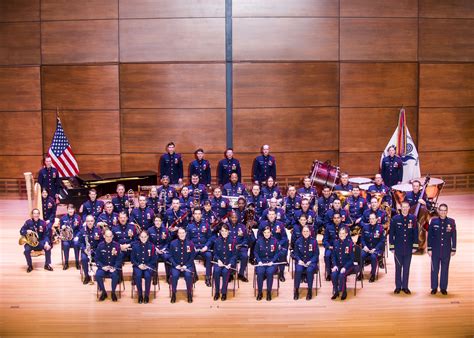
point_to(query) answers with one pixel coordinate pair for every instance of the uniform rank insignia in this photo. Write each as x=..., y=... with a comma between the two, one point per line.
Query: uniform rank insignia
x=40, y=228
x=188, y=248
x=175, y=161
x=272, y=248
x=230, y=246
x=270, y=162
x=377, y=234
x=204, y=166
x=54, y=175
x=346, y=250
x=223, y=204
x=310, y=247
x=448, y=228
x=278, y=229
x=240, y=232
x=163, y=235
x=234, y=167
x=114, y=251
x=361, y=204
x=410, y=225
x=149, y=252
x=310, y=219
x=148, y=216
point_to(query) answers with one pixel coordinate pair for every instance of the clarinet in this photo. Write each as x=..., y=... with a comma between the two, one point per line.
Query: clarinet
x=88, y=252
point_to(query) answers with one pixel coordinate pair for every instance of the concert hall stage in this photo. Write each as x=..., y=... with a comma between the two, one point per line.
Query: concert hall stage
x=56, y=303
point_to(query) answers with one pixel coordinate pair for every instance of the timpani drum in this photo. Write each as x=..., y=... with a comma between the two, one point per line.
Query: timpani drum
x=399, y=192
x=358, y=181
x=364, y=188
x=433, y=190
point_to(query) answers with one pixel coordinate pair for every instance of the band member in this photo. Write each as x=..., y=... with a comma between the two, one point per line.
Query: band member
x=89, y=239
x=374, y=209
x=199, y=232
x=267, y=253
x=241, y=208
x=273, y=205
x=225, y=255
x=441, y=246
x=325, y=202
x=337, y=207
x=356, y=205
x=143, y=215
x=258, y=201
x=298, y=228
x=108, y=258
x=379, y=187
x=210, y=216
x=220, y=205
x=166, y=191
x=264, y=166
x=373, y=244
x=308, y=192
x=240, y=234
x=144, y=261
x=392, y=168
x=404, y=241
x=330, y=236
x=201, y=167
x=227, y=166
x=175, y=218
x=306, y=253
x=92, y=206
x=186, y=202
x=38, y=226
x=234, y=187
x=48, y=206
x=197, y=190
x=291, y=203
x=344, y=185
x=312, y=218
x=120, y=200
x=160, y=237
x=270, y=190
x=343, y=262
x=156, y=202
x=125, y=234
x=48, y=178
x=74, y=222
x=182, y=262
x=414, y=197
x=171, y=165
x=108, y=217
x=279, y=233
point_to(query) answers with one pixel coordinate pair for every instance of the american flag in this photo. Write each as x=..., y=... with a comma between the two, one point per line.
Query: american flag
x=61, y=153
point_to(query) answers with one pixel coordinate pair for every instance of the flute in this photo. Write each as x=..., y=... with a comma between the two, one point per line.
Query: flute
x=271, y=264
x=224, y=266
x=185, y=269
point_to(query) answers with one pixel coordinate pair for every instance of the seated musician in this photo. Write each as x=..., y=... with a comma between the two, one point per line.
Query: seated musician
x=374, y=208
x=182, y=262
x=74, y=222
x=197, y=190
x=356, y=205
x=325, y=202
x=108, y=258
x=175, y=218
x=379, y=187
x=234, y=187
x=291, y=203
x=225, y=258
x=125, y=233
x=220, y=205
x=108, y=218
x=120, y=200
x=201, y=167
x=49, y=207
x=241, y=207
x=306, y=254
x=167, y=191
x=160, y=237
x=344, y=185
x=155, y=201
x=43, y=232
x=186, y=201
x=92, y=206
x=273, y=205
x=342, y=261
x=270, y=190
x=144, y=260
x=373, y=243
x=279, y=233
x=242, y=237
x=267, y=253
x=89, y=238
x=143, y=215
x=199, y=232
x=308, y=192
x=210, y=216
x=337, y=207
x=257, y=199
x=414, y=197
x=330, y=236
x=311, y=216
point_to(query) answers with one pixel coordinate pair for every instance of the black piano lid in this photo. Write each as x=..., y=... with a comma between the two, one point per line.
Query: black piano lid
x=92, y=177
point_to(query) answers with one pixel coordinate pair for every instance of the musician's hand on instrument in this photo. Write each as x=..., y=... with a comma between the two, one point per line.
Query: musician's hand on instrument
x=219, y=263
x=421, y=201
x=204, y=249
x=334, y=269
x=142, y=267
x=372, y=251
x=343, y=270
x=63, y=227
x=260, y=264
x=111, y=269
x=300, y=262
x=270, y=263
x=366, y=249
x=358, y=220
x=29, y=231
x=227, y=266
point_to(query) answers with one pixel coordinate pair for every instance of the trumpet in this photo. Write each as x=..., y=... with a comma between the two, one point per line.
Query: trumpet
x=31, y=238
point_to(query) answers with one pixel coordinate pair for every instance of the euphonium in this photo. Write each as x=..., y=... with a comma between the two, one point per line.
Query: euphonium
x=66, y=233
x=31, y=239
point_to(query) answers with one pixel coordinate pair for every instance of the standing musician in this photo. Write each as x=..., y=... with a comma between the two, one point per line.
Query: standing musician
x=89, y=239
x=373, y=243
x=142, y=216
x=344, y=185
x=330, y=237
x=167, y=192
x=392, y=168
x=72, y=221
x=234, y=187
x=49, y=207
x=120, y=200
x=308, y=192
x=108, y=258
x=125, y=234
x=267, y=253
x=291, y=203
x=144, y=260
x=200, y=167
x=225, y=256
x=197, y=190
x=227, y=166
x=270, y=190
x=240, y=234
x=182, y=262
x=48, y=178
x=160, y=237
x=171, y=165
x=39, y=228
x=264, y=166
x=176, y=218
x=342, y=261
x=92, y=206
x=306, y=253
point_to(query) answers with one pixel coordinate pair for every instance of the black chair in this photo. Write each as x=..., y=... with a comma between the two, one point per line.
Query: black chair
x=235, y=281
x=358, y=269
x=275, y=275
x=119, y=284
x=317, y=275
x=154, y=281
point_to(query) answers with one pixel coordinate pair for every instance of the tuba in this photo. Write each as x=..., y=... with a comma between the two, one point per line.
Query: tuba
x=31, y=239
x=196, y=198
x=342, y=195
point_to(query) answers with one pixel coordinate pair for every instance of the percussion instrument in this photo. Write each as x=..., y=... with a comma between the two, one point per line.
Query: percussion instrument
x=364, y=188
x=322, y=174
x=399, y=192
x=433, y=190
x=358, y=181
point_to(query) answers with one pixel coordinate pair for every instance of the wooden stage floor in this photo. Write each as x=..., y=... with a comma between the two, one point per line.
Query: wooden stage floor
x=56, y=303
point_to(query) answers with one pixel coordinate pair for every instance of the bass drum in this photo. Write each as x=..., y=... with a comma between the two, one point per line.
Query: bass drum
x=324, y=174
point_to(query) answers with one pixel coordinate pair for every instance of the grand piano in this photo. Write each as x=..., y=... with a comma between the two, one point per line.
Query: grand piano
x=75, y=189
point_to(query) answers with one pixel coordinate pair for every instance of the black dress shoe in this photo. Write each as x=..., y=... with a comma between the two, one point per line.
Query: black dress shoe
x=381, y=265
x=372, y=279
x=103, y=296
x=48, y=267
x=334, y=296
x=282, y=278
x=114, y=297
x=66, y=266
x=77, y=266
x=216, y=296
x=259, y=296
x=269, y=296
x=309, y=295
x=190, y=298
x=328, y=278
x=29, y=269
x=140, y=299
x=173, y=297
x=146, y=299
x=87, y=279
x=224, y=297
x=208, y=282
x=407, y=291
x=243, y=279
x=434, y=291
x=296, y=296
x=344, y=295
x=396, y=291
x=444, y=292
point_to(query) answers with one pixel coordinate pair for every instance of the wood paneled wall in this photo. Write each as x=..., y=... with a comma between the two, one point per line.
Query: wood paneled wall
x=315, y=79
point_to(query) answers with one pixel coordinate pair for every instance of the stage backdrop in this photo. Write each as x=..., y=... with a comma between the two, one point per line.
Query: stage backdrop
x=315, y=79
